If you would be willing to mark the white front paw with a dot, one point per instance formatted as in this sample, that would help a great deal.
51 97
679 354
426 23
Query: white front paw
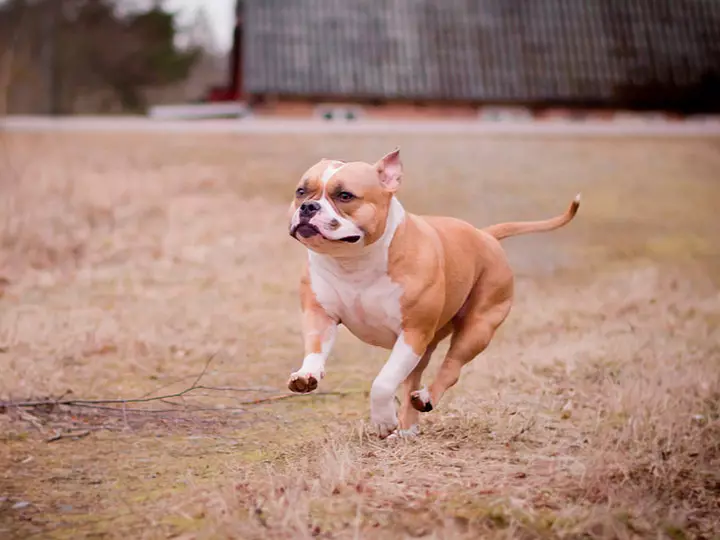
303 382
384 419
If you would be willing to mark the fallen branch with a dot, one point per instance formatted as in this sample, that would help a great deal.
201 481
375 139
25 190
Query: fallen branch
107 404
71 402
241 405
72 435
214 388
281 397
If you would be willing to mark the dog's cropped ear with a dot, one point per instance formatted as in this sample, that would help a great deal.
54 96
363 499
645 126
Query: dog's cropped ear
390 170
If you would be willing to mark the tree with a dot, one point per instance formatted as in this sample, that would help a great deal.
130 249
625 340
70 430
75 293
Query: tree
90 46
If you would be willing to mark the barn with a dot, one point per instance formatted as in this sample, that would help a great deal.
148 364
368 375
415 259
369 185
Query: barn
453 56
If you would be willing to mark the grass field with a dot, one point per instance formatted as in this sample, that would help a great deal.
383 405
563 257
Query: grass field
128 261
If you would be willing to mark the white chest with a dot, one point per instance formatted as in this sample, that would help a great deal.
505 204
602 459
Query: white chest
359 291
368 306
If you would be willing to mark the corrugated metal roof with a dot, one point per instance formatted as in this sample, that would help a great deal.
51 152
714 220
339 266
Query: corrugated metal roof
477 50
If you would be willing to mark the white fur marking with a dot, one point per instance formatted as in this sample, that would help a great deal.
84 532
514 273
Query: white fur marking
358 290
314 363
402 361
577 198
346 228
424 395
330 171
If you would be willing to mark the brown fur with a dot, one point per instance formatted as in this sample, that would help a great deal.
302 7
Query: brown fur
513 228
456 278
457 281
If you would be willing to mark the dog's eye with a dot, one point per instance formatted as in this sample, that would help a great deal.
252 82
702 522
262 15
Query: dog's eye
299 192
345 196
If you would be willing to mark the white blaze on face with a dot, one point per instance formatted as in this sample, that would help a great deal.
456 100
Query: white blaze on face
328 214
334 167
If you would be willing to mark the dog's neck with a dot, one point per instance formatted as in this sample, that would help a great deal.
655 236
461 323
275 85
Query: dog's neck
371 261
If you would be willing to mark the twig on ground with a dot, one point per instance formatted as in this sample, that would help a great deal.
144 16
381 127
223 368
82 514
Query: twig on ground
242 405
71 402
266 389
171 403
166 385
251 402
204 370
123 410
238 388
72 435
289 396
106 404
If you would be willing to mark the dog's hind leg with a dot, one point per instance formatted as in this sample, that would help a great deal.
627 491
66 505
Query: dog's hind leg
487 307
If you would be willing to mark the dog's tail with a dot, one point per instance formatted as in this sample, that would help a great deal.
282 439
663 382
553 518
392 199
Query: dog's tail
513 228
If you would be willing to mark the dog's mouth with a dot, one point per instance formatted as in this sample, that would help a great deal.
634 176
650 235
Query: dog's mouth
350 239
306 230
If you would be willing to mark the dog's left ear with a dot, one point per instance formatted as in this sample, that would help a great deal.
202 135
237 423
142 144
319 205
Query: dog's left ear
390 170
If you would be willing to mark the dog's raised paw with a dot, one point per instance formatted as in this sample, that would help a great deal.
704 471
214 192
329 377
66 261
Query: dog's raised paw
420 400
302 383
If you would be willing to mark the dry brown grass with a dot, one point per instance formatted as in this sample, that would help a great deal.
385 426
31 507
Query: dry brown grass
126 260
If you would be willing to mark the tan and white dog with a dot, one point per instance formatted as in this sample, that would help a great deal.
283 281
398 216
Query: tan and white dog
397 281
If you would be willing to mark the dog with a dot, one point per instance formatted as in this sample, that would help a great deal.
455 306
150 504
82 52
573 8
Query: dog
398 281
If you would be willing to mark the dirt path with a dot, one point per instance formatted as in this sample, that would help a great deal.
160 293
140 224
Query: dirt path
128 260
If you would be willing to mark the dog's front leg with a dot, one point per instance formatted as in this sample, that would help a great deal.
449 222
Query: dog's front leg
319 331
405 355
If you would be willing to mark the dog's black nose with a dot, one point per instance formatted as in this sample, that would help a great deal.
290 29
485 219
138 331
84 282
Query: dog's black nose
309 208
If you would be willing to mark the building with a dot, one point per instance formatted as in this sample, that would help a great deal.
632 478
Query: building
450 57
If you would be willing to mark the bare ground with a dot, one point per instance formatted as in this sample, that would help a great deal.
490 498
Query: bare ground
126 261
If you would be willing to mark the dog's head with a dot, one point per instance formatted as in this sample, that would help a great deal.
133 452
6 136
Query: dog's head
340 207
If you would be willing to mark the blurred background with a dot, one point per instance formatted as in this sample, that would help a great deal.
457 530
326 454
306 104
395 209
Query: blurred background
138 255
328 59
